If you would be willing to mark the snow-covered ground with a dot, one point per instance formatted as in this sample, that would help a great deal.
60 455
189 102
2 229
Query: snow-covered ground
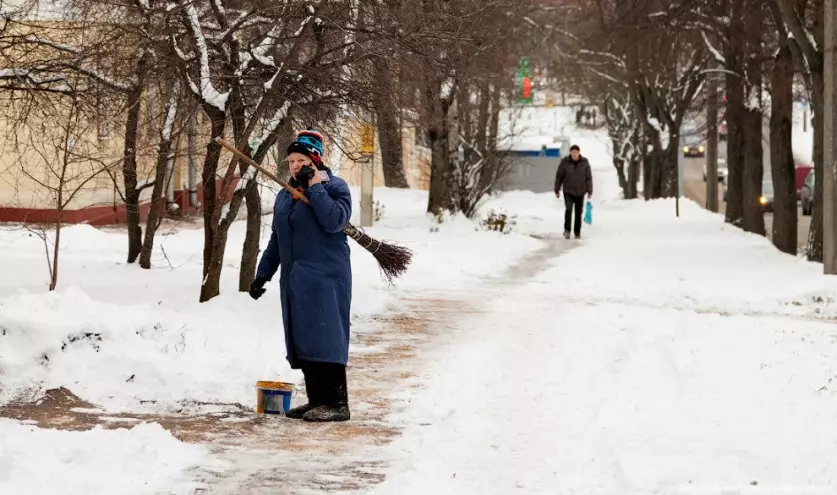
137 460
657 354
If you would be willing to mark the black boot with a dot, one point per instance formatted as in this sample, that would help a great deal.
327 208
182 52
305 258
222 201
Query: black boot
299 412
314 399
336 398
322 414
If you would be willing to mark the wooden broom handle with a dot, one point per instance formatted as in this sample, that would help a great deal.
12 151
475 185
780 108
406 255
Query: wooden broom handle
270 175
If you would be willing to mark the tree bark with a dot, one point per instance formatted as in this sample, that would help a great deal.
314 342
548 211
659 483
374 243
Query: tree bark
389 128
252 198
211 285
53 279
158 202
815 235
781 154
753 220
440 196
669 169
129 169
735 117
158 199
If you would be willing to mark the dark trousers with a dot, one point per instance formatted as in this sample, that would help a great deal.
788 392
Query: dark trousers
571 201
325 383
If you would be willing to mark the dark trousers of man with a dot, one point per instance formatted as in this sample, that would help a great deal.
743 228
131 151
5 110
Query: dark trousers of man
325 383
572 201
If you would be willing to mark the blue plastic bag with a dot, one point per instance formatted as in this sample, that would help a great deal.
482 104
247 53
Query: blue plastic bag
588 213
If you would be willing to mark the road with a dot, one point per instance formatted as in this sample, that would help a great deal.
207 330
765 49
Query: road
695 189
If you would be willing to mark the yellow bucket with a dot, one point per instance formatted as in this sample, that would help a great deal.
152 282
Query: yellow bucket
273 397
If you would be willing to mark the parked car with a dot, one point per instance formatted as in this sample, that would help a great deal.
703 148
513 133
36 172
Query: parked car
693 148
766 198
807 194
802 172
722 170
767 194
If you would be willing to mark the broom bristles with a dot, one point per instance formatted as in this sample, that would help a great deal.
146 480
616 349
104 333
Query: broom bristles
393 260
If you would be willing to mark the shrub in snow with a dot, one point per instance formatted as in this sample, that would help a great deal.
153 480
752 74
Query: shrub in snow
378 211
499 222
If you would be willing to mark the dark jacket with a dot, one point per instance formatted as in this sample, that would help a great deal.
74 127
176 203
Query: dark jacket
316 278
576 177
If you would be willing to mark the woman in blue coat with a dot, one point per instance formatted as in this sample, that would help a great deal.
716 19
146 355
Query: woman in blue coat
315 282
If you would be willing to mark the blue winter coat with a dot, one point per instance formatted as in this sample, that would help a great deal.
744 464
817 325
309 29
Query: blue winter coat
316 278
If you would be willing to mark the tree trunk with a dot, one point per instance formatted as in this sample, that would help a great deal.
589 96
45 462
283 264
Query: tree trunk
753 131
211 285
389 128
250 250
647 175
670 170
735 117
158 202
129 174
440 196
53 279
815 235
619 164
753 176
781 155
633 178
252 198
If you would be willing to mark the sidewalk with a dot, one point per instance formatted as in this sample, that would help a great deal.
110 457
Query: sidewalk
662 355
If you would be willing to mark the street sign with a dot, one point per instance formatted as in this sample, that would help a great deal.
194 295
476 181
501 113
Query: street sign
524 81
367 135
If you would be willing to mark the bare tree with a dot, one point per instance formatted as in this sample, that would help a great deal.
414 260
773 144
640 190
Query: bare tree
805 22
67 165
165 155
785 219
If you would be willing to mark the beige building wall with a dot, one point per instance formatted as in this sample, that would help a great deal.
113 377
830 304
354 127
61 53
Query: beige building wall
416 159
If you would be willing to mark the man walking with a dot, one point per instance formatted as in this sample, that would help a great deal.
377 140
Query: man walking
577 180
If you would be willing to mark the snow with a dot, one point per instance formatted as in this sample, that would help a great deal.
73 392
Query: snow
657 355
110 320
632 362
207 91
142 459
171 113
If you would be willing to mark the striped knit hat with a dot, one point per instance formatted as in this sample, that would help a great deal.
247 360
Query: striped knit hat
310 143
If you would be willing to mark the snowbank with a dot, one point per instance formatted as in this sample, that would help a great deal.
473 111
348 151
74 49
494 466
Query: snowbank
143 459
640 251
116 335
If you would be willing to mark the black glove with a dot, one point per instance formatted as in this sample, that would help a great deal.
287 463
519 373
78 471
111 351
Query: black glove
257 288
305 174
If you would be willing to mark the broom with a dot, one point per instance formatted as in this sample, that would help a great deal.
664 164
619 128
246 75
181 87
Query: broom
393 260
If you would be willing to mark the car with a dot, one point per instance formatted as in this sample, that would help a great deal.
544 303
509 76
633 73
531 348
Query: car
807 194
767 194
693 148
800 176
766 198
722 170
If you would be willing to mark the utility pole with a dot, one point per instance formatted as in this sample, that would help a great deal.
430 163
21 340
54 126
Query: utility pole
712 141
367 177
829 216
